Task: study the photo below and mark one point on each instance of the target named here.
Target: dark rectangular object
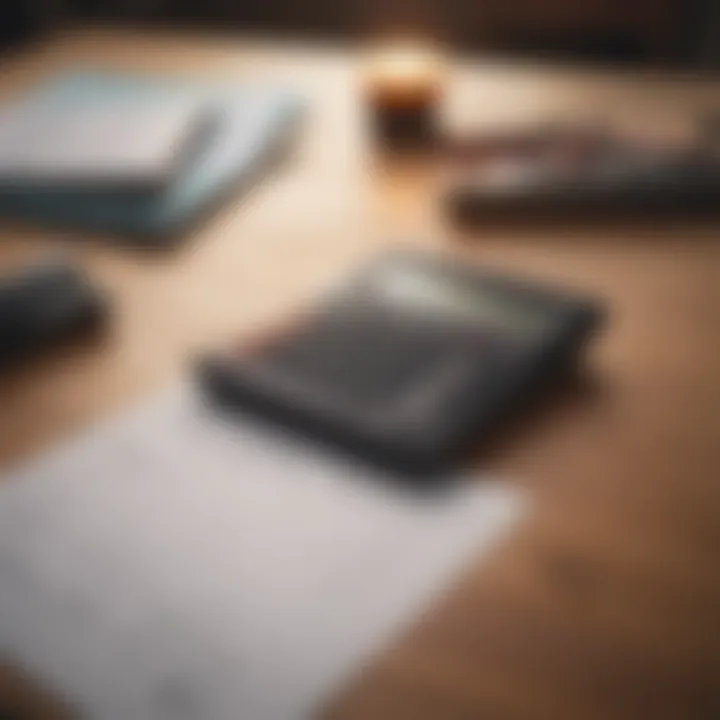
(570, 173)
(45, 304)
(411, 363)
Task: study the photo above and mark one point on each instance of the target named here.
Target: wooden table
(606, 603)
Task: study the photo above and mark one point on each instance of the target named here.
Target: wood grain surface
(606, 603)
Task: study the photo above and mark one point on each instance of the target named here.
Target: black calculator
(410, 362)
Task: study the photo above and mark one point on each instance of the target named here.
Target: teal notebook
(252, 121)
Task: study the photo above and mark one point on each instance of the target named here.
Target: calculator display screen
(436, 296)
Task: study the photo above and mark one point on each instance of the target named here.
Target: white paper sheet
(174, 566)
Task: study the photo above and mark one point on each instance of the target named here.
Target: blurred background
(604, 604)
(676, 33)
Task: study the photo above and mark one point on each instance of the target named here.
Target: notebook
(411, 363)
(171, 566)
(111, 143)
(253, 121)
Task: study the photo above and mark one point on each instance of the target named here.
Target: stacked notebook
(133, 155)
